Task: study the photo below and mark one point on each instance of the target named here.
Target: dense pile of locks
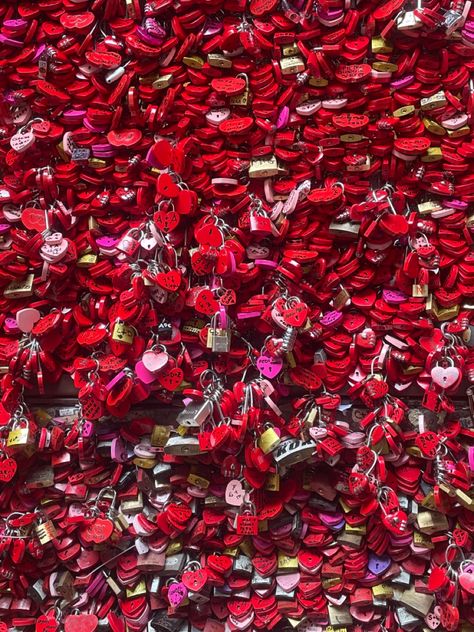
(261, 210)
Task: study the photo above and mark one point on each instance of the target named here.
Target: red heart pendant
(80, 623)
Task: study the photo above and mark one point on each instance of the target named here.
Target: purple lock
(393, 297)
(378, 565)
(331, 319)
(403, 82)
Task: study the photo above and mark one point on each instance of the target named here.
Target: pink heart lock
(288, 581)
(269, 366)
(143, 374)
(21, 141)
(54, 253)
(234, 493)
(26, 318)
(466, 577)
(445, 377)
(218, 115)
(433, 619)
(53, 239)
(309, 108)
(118, 451)
(177, 593)
(244, 622)
(154, 360)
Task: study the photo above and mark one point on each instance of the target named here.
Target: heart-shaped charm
(166, 186)
(154, 361)
(428, 443)
(170, 379)
(46, 623)
(21, 141)
(34, 218)
(98, 531)
(295, 316)
(8, 469)
(288, 581)
(166, 221)
(169, 281)
(433, 619)
(445, 377)
(26, 318)
(209, 235)
(466, 578)
(269, 366)
(234, 493)
(80, 623)
(195, 580)
(177, 593)
(206, 303)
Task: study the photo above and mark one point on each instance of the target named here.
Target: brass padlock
(269, 440)
(123, 333)
(45, 530)
(21, 436)
(20, 289)
(291, 65)
(263, 168)
(244, 98)
(420, 290)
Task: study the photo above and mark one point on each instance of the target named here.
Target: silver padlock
(243, 566)
(195, 414)
(294, 451)
(261, 583)
(283, 595)
(182, 446)
(174, 564)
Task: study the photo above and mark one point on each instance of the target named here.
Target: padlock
(128, 244)
(45, 529)
(263, 167)
(243, 99)
(182, 446)
(260, 224)
(292, 65)
(195, 414)
(123, 333)
(269, 439)
(21, 436)
(246, 522)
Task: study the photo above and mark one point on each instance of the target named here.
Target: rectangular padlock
(195, 414)
(123, 333)
(221, 340)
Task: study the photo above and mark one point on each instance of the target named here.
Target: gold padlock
(318, 82)
(292, 65)
(379, 45)
(433, 154)
(163, 82)
(20, 289)
(269, 440)
(263, 168)
(20, 436)
(218, 61)
(461, 131)
(46, 531)
(159, 436)
(123, 333)
(290, 50)
(419, 290)
(244, 98)
(193, 61)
